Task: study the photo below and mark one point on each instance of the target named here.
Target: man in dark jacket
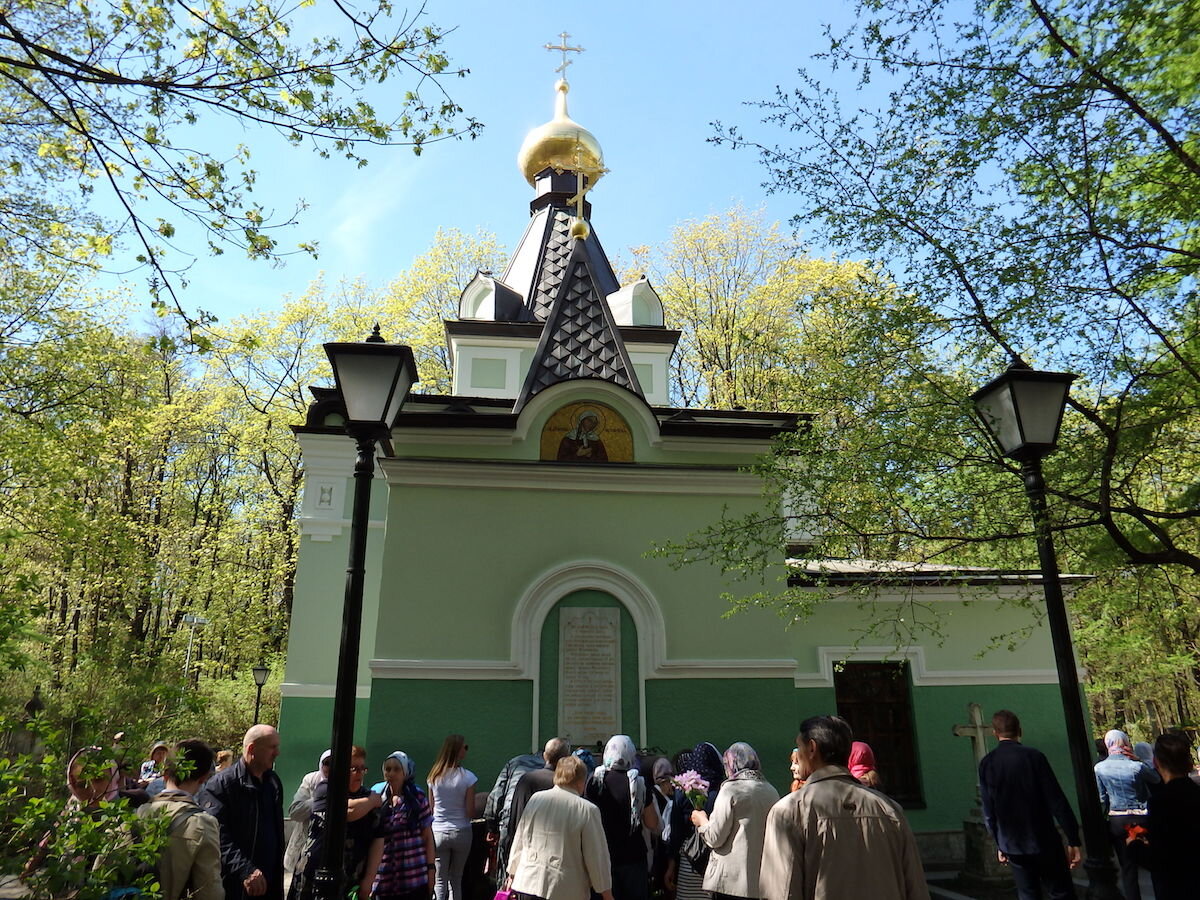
(247, 800)
(498, 810)
(1168, 847)
(1021, 801)
(534, 782)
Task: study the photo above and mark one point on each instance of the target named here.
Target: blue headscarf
(410, 794)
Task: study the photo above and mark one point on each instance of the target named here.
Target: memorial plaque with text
(589, 674)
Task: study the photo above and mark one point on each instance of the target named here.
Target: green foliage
(144, 485)
(1034, 181)
(106, 96)
(80, 851)
(1029, 180)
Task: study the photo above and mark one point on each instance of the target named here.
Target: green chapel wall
(947, 762)
(471, 553)
(458, 568)
(549, 660)
(766, 713)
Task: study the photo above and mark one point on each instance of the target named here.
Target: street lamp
(193, 622)
(260, 678)
(374, 378)
(1022, 410)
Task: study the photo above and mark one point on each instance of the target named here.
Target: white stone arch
(587, 575)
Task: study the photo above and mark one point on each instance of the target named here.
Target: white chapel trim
(922, 676)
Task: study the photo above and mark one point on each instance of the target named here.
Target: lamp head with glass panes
(373, 377)
(1023, 409)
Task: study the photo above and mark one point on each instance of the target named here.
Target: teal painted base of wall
(763, 712)
(416, 715)
(305, 727)
(947, 766)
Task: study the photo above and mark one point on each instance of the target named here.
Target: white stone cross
(977, 732)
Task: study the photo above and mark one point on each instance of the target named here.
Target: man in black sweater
(1168, 848)
(1021, 801)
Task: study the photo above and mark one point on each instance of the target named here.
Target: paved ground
(942, 886)
(945, 886)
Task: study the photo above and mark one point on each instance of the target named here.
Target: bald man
(247, 800)
(536, 781)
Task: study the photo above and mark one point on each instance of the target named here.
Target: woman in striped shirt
(404, 854)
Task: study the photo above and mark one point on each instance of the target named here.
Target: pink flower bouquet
(693, 786)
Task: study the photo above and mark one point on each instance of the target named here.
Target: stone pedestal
(980, 865)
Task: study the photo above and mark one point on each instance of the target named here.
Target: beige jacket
(735, 832)
(559, 851)
(835, 839)
(191, 863)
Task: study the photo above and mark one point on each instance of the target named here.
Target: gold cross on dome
(563, 48)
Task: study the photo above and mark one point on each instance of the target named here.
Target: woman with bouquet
(701, 765)
(736, 830)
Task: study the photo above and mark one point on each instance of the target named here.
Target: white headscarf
(619, 756)
(1116, 740)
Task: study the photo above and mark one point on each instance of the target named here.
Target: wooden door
(876, 699)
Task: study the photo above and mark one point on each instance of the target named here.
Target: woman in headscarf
(1124, 782)
(300, 811)
(684, 875)
(737, 828)
(626, 807)
(402, 860)
(862, 764)
(663, 792)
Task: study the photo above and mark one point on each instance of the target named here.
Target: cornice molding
(576, 477)
(319, 691)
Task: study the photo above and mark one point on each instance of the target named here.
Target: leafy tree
(143, 484)
(1029, 182)
(83, 853)
(1033, 178)
(103, 95)
(744, 298)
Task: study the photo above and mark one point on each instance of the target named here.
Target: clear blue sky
(652, 79)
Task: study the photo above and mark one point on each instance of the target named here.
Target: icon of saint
(582, 443)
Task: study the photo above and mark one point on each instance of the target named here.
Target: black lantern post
(260, 678)
(1023, 410)
(374, 378)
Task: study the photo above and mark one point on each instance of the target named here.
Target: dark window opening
(876, 699)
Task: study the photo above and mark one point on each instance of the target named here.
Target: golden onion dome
(562, 144)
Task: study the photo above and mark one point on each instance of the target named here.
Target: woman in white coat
(737, 828)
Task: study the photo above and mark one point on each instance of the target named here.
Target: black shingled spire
(580, 338)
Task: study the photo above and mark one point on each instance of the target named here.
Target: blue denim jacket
(1124, 783)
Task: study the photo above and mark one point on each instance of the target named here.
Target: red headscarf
(862, 760)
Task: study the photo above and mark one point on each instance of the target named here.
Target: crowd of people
(703, 825)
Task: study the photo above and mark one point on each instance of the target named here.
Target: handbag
(503, 894)
(696, 852)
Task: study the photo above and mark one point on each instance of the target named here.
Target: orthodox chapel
(510, 596)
